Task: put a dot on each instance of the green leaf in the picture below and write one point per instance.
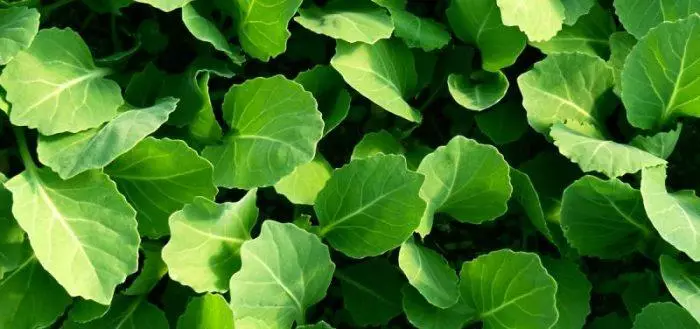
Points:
(158, 177)
(351, 21)
(621, 44)
(370, 206)
(640, 16)
(209, 311)
(20, 26)
(126, 313)
(567, 87)
(71, 154)
(275, 126)
(328, 88)
(466, 180)
(366, 69)
(4, 106)
(429, 272)
(664, 315)
(526, 195)
(84, 310)
(539, 19)
(424, 315)
(262, 26)
(610, 321)
(371, 291)
(573, 293)
(683, 281)
(153, 270)
(574, 9)
(660, 77)
(284, 269)
(594, 153)
(306, 181)
(54, 86)
(203, 29)
(320, 325)
(88, 243)
(379, 142)
(504, 123)
(661, 144)
(166, 5)
(419, 32)
(642, 288)
(676, 216)
(522, 293)
(604, 218)
(12, 241)
(478, 22)
(206, 237)
(478, 91)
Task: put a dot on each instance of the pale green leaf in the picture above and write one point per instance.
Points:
(424, 315)
(158, 177)
(664, 315)
(573, 293)
(262, 26)
(284, 271)
(4, 106)
(661, 144)
(478, 91)
(683, 281)
(71, 154)
(205, 30)
(166, 5)
(306, 181)
(152, 271)
(84, 310)
(82, 230)
(640, 16)
(660, 79)
(574, 9)
(478, 22)
(539, 19)
(54, 86)
(370, 206)
(328, 89)
(126, 312)
(203, 250)
(676, 216)
(17, 31)
(209, 311)
(383, 72)
(510, 289)
(430, 273)
(275, 126)
(351, 21)
(379, 142)
(419, 32)
(504, 123)
(621, 44)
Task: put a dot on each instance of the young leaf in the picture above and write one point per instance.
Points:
(522, 293)
(82, 230)
(262, 25)
(676, 216)
(166, 5)
(683, 281)
(660, 78)
(153, 270)
(370, 206)
(71, 154)
(351, 21)
(328, 89)
(621, 44)
(306, 181)
(209, 311)
(661, 145)
(419, 32)
(478, 91)
(380, 142)
(424, 315)
(128, 313)
(504, 123)
(365, 68)
(54, 86)
(640, 16)
(203, 29)
(158, 177)
(539, 19)
(285, 268)
(664, 315)
(206, 237)
(19, 27)
(275, 126)
(429, 272)
(573, 293)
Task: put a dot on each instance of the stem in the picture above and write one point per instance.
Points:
(24, 154)
(46, 11)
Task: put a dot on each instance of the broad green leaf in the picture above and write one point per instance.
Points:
(567, 87)
(351, 21)
(152, 271)
(205, 30)
(371, 291)
(539, 19)
(275, 126)
(54, 86)
(660, 77)
(589, 35)
(166, 5)
(419, 32)
(683, 281)
(592, 152)
(621, 44)
(31, 298)
(72, 154)
(126, 312)
(478, 22)
(504, 123)
(676, 216)
(478, 91)
(640, 16)
(285, 270)
(574, 9)
(84, 310)
(209, 311)
(370, 206)
(328, 89)
(12, 241)
(262, 26)
(604, 218)
(306, 181)
(158, 177)
(466, 180)
(82, 230)
(430, 273)
(383, 72)
(203, 250)
(573, 293)
(510, 289)
(19, 27)
(664, 315)
(320, 325)
(661, 144)
(380, 142)
(424, 315)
